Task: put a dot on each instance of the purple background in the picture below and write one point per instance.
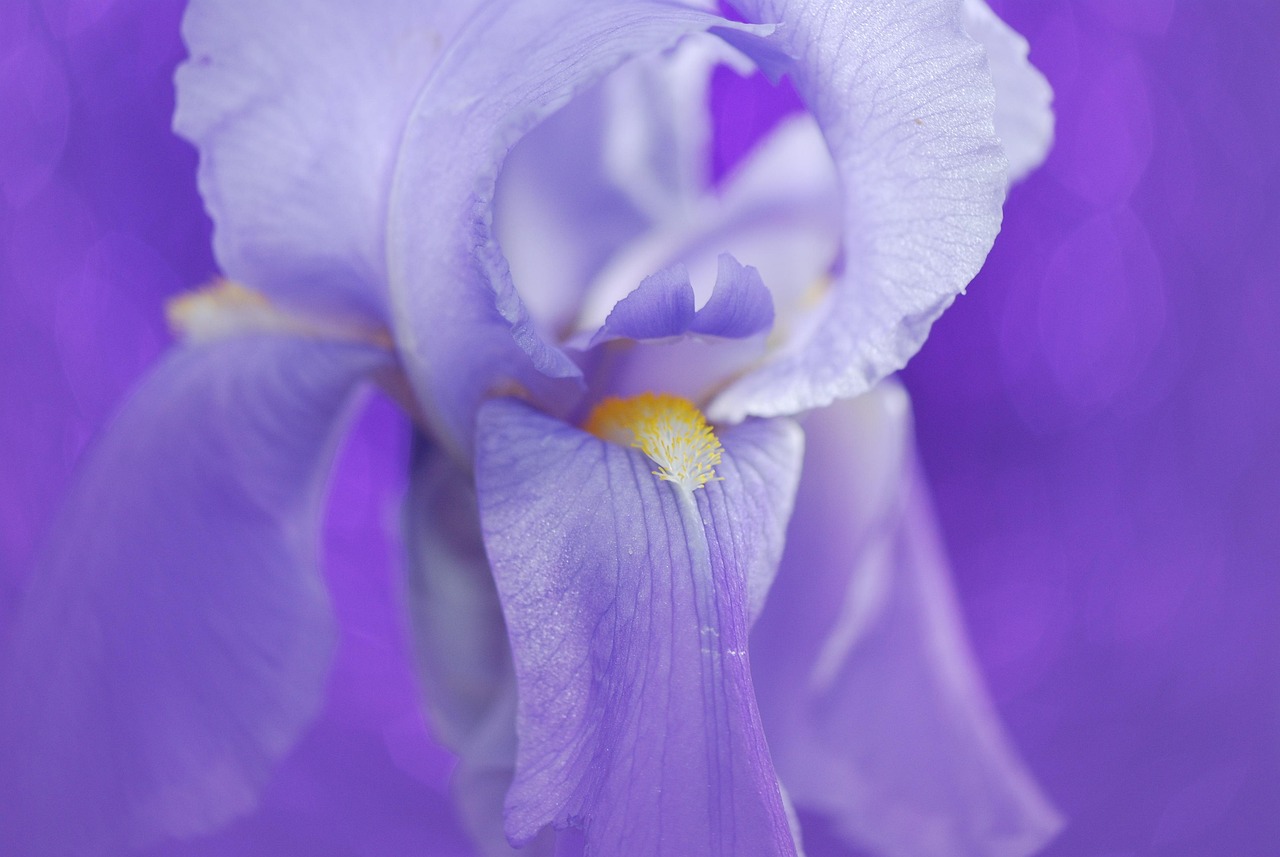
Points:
(1099, 416)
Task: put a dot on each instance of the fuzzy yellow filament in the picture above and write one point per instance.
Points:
(668, 429)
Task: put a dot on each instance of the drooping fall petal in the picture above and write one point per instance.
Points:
(873, 706)
(175, 637)
(627, 599)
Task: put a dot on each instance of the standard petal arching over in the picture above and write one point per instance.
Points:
(175, 636)
(905, 101)
(874, 709)
(627, 599)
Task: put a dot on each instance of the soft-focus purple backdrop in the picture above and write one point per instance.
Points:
(1100, 417)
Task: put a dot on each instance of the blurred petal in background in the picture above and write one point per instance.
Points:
(1098, 419)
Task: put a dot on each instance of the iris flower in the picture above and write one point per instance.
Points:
(627, 620)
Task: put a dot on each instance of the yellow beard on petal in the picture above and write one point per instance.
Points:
(226, 308)
(669, 429)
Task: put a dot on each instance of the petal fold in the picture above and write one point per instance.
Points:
(905, 101)
(175, 636)
(740, 306)
(454, 614)
(661, 307)
(627, 600)
(874, 708)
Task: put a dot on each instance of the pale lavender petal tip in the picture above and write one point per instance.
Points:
(660, 307)
(1024, 112)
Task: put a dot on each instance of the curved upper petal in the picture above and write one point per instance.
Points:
(905, 101)
(175, 637)
(1024, 116)
(740, 304)
(628, 601)
(297, 111)
(659, 308)
(873, 707)
(462, 325)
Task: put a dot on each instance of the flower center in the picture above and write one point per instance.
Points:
(668, 429)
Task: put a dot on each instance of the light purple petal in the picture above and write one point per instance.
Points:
(905, 102)
(659, 308)
(175, 637)
(740, 306)
(1024, 117)
(297, 113)
(595, 174)
(627, 603)
(462, 323)
(873, 707)
(625, 154)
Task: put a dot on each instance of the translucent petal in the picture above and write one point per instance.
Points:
(1024, 117)
(872, 704)
(175, 636)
